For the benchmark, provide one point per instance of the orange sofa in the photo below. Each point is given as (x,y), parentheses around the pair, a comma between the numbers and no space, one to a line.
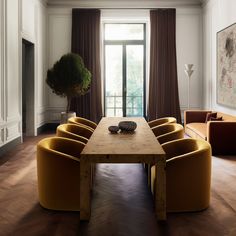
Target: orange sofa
(220,134)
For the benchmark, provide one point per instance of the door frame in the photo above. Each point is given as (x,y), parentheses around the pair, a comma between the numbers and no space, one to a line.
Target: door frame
(29,87)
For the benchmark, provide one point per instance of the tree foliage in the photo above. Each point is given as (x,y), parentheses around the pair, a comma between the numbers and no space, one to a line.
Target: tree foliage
(69,77)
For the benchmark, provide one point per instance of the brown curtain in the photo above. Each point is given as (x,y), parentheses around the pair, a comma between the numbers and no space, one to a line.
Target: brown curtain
(86,42)
(163,86)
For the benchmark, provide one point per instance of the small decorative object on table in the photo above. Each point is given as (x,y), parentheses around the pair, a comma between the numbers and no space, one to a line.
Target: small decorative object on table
(127,126)
(113,129)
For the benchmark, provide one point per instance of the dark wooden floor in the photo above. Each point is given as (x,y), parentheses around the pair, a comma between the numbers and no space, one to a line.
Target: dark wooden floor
(122,203)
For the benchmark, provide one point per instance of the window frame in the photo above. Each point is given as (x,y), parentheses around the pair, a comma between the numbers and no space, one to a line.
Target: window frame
(124,44)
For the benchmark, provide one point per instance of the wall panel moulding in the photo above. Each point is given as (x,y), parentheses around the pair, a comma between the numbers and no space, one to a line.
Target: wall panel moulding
(125,3)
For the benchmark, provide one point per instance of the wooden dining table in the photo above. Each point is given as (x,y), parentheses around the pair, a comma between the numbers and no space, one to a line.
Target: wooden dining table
(140,146)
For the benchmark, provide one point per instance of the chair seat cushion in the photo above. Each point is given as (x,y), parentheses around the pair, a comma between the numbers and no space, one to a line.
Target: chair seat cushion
(197,130)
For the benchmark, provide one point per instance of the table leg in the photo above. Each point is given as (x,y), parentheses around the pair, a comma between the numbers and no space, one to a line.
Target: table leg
(160,190)
(85,183)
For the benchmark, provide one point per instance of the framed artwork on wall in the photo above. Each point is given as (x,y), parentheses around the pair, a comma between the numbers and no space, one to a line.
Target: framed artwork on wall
(226,66)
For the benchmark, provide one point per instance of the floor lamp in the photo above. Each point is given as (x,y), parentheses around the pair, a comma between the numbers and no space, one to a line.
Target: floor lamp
(188,71)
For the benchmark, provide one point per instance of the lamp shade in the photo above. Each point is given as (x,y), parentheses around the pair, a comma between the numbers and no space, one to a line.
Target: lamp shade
(188,69)
(188,66)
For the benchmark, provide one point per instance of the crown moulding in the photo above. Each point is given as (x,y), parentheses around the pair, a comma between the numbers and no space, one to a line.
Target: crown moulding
(125,3)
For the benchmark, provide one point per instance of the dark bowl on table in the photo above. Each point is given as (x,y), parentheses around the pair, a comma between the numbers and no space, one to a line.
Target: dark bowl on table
(127,126)
(113,129)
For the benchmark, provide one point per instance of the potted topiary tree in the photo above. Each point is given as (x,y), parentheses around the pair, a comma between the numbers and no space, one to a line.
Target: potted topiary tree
(69,78)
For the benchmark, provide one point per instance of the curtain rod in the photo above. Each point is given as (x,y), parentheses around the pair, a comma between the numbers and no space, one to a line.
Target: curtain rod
(125,8)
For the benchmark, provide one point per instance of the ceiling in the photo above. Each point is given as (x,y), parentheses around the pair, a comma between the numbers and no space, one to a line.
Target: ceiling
(125,3)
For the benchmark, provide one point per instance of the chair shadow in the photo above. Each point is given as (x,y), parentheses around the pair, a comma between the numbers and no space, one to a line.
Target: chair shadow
(226,157)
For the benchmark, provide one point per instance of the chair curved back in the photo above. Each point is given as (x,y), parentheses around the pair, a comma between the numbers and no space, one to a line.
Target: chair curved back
(168,132)
(161,121)
(79,120)
(58,169)
(73,131)
(188,175)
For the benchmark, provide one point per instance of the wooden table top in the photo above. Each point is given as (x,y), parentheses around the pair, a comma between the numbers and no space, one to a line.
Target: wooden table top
(141,142)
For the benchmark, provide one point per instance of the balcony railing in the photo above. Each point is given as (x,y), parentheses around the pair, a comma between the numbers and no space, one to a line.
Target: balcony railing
(114,105)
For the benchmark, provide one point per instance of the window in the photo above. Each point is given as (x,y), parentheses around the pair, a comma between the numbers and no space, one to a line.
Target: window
(124,46)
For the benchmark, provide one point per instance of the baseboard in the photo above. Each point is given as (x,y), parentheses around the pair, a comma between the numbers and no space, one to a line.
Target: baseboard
(7,147)
(47,128)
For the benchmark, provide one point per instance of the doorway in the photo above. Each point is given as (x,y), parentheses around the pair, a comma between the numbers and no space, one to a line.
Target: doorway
(124,60)
(28,107)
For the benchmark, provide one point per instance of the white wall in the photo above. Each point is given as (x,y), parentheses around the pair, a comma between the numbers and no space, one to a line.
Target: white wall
(20,19)
(217,15)
(41,64)
(28,19)
(189,50)
(59,43)
(9,68)
(34,29)
(2,39)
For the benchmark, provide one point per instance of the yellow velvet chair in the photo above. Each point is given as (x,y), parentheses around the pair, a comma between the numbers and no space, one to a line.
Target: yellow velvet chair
(80,133)
(168,132)
(58,169)
(161,121)
(83,121)
(188,175)
(72,131)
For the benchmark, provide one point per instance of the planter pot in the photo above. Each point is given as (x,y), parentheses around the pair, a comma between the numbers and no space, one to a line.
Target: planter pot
(66,115)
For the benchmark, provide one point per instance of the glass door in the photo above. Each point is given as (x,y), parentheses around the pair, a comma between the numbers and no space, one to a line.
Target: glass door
(124,46)
(134,80)
(114,80)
